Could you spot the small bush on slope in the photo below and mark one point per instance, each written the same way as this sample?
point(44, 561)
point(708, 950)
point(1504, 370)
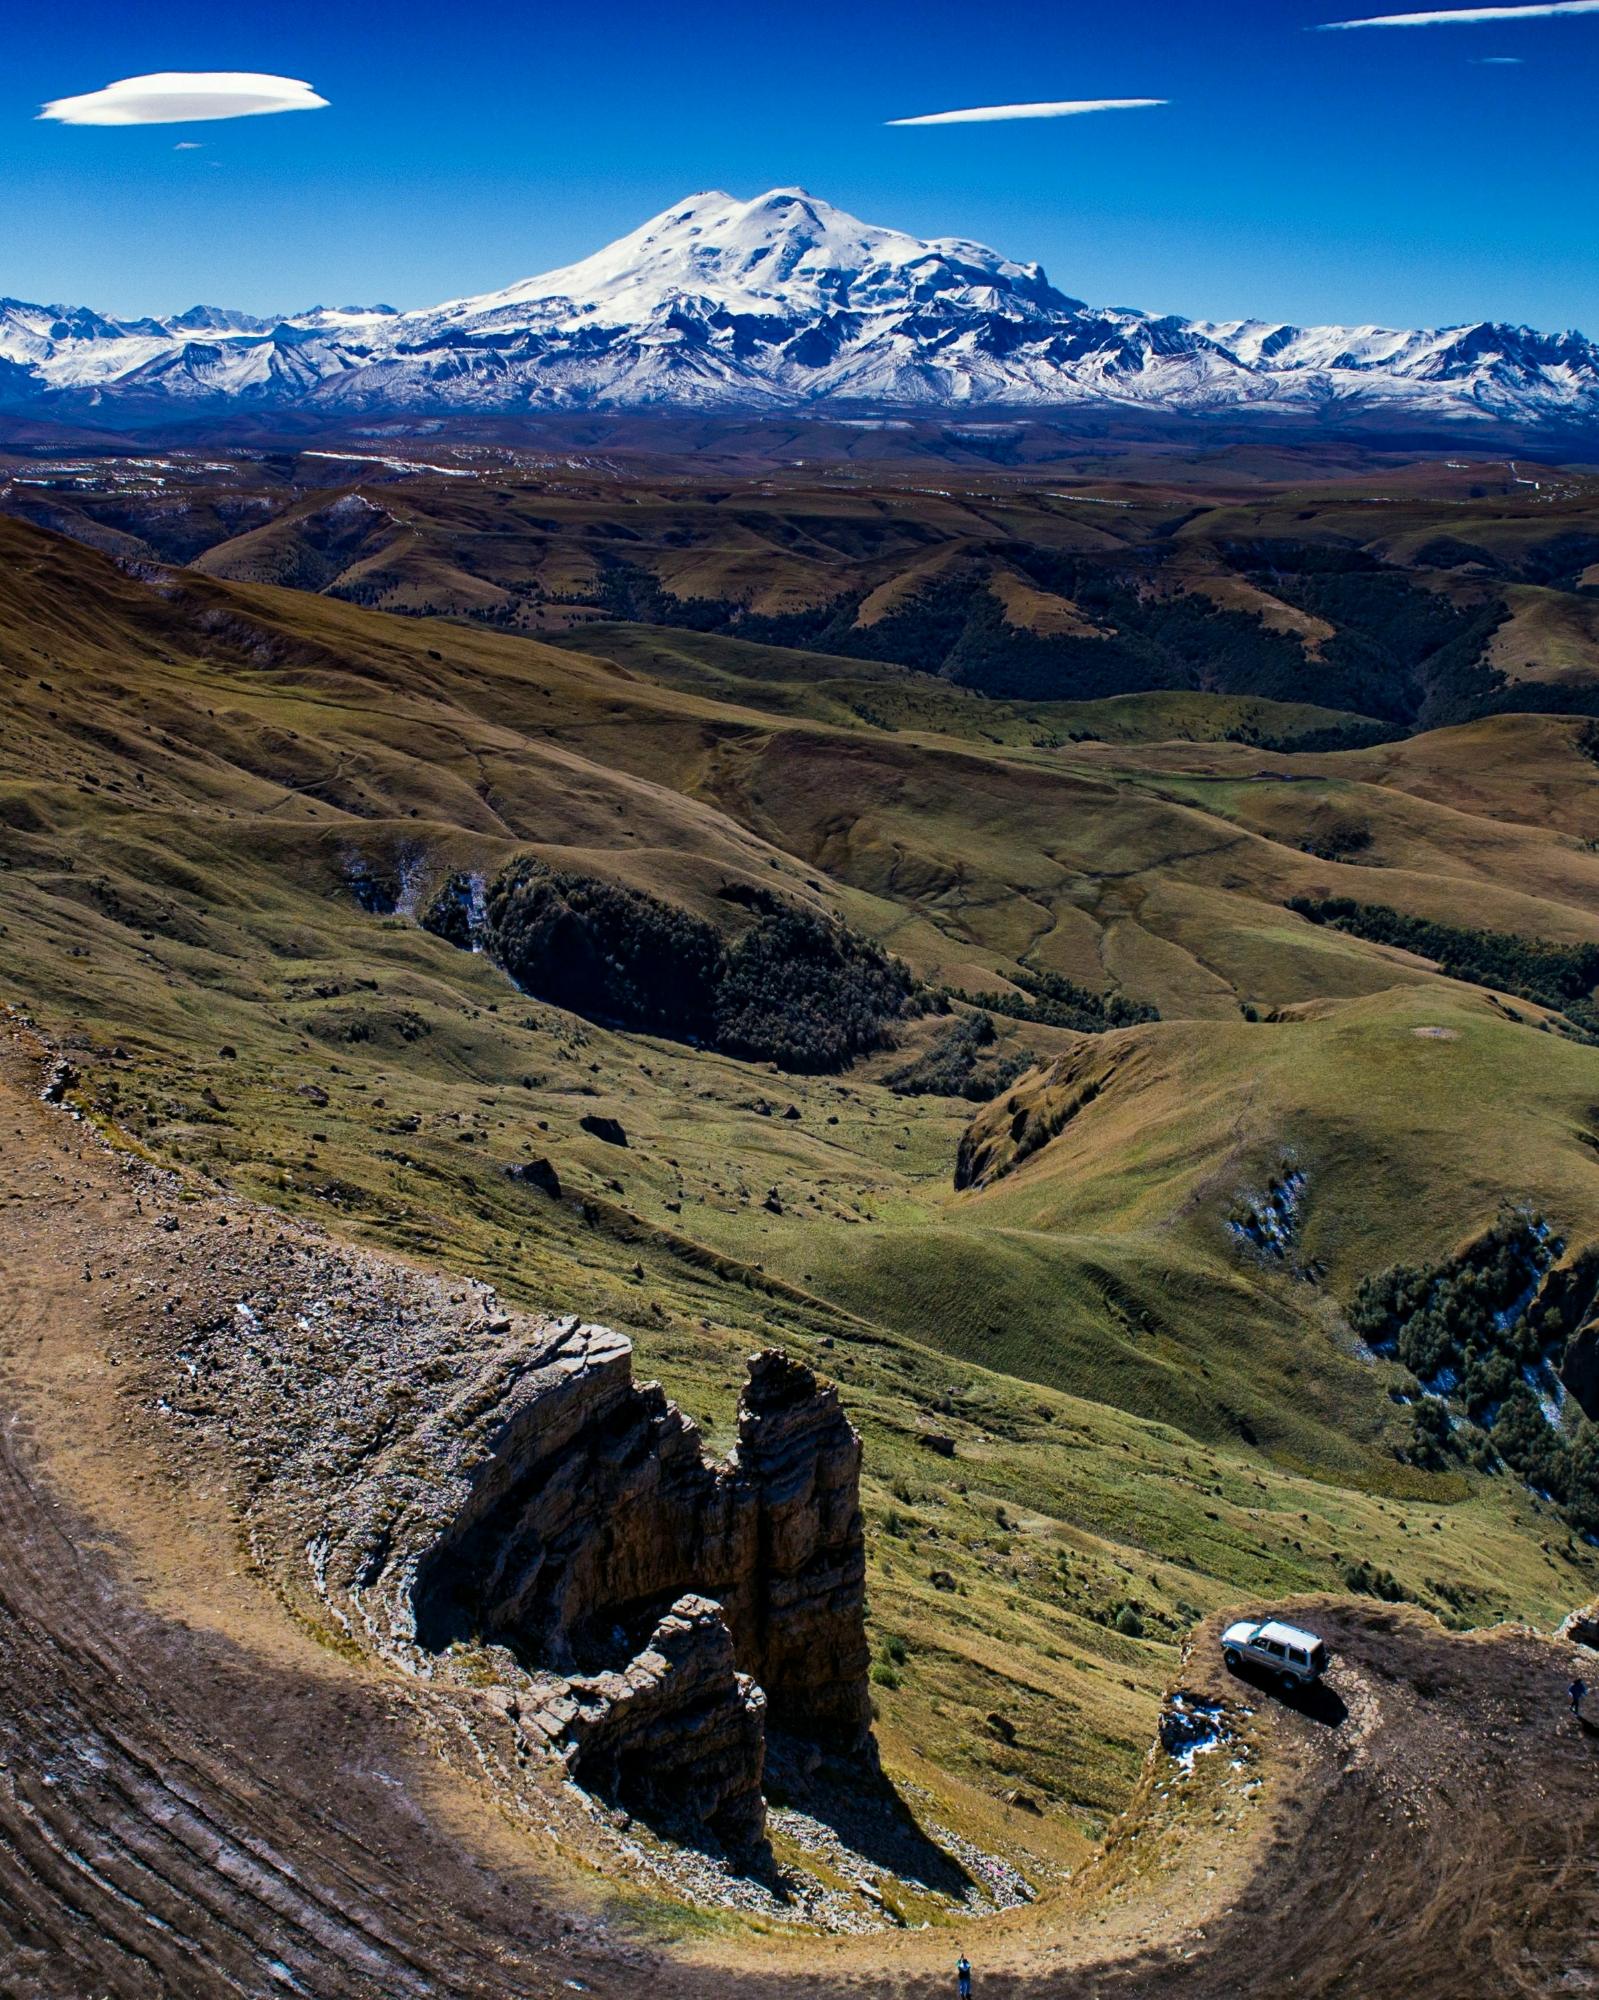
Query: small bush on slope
point(954, 1065)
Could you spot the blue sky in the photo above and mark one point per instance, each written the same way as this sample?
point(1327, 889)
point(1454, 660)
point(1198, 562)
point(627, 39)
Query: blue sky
point(1398, 175)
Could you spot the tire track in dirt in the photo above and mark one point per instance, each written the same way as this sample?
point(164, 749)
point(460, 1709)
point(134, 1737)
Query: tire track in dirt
point(177, 1815)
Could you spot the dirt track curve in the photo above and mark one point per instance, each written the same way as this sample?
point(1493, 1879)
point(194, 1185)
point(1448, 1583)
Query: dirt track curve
point(197, 1800)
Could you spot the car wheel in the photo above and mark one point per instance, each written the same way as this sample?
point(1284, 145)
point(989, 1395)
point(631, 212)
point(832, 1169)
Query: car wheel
point(1232, 1659)
point(1289, 1682)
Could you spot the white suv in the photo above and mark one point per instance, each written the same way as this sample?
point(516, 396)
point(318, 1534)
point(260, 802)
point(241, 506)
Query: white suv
point(1294, 1658)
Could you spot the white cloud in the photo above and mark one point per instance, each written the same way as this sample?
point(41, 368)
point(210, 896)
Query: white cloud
point(1471, 17)
point(188, 146)
point(984, 114)
point(182, 97)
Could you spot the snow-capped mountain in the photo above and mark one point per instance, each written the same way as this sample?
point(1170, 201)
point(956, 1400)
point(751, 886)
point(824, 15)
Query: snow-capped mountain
point(782, 302)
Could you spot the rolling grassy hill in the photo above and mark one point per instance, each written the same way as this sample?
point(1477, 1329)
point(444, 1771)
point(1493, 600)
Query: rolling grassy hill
point(1411, 595)
point(225, 806)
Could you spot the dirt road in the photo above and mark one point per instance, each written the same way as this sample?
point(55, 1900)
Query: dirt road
point(197, 1799)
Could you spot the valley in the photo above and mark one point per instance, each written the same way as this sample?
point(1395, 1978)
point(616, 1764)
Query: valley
point(201, 1789)
point(1360, 595)
point(910, 930)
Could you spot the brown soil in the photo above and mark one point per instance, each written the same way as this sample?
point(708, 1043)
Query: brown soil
point(196, 1798)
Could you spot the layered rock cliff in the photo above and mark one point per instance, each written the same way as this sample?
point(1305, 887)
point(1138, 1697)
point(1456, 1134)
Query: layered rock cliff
point(493, 1502)
point(798, 1617)
point(596, 1506)
point(677, 1603)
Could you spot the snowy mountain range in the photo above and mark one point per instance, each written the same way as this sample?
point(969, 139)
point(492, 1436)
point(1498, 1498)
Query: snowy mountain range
point(779, 303)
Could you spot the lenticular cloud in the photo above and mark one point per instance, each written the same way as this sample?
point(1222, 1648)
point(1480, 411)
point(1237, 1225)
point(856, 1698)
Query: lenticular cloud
point(1072, 107)
point(1472, 17)
point(181, 97)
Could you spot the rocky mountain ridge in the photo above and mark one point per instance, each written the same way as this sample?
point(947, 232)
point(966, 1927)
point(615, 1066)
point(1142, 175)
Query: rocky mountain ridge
point(785, 302)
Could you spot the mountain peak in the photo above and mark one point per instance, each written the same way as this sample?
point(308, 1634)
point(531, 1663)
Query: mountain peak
point(785, 251)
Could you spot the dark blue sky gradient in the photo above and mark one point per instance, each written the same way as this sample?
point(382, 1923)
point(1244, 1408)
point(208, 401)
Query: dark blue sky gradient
point(1392, 176)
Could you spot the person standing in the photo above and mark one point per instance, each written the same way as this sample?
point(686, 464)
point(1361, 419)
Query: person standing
point(963, 1978)
point(1578, 1691)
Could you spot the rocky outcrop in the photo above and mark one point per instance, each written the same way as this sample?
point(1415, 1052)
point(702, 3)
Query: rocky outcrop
point(799, 1617)
point(678, 1734)
point(1579, 1369)
point(1582, 1627)
point(592, 1515)
point(491, 1501)
point(62, 1077)
point(539, 1173)
point(675, 1603)
point(589, 1506)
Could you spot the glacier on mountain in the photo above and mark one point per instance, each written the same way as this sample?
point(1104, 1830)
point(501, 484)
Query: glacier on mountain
point(779, 303)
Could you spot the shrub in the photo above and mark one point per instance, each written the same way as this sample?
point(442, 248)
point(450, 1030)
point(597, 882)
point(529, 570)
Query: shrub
point(1525, 1440)
point(1059, 1003)
point(1356, 734)
point(954, 1065)
point(1461, 1313)
point(945, 1068)
point(451, 913)
point(1560, 976)
point(1339, 839)
point(611, 954)
point(1487, 1380)
point(807, 994)
point(1431, 1435)
point(795, 989)
point(1371, 1582)
point(1477, 1314)
point(1582, 1479)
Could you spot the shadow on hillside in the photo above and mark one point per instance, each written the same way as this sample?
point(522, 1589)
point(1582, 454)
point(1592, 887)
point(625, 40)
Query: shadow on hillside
point(855, 1806)
point(852, 1818)
point(1318, 1703)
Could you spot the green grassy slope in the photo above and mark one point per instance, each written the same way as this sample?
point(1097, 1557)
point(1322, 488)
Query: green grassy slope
point(1107, 1257)
point(193, 776)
